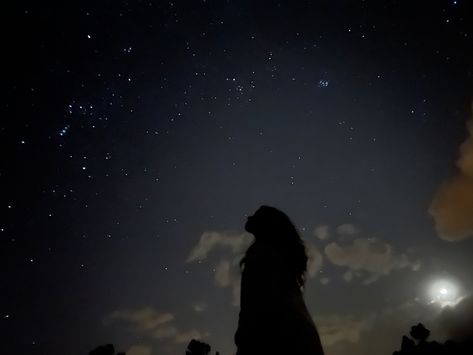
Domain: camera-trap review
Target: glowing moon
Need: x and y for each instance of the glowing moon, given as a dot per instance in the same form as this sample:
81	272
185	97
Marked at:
443	292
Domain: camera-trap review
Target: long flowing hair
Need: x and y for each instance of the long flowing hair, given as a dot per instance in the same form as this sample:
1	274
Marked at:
275	230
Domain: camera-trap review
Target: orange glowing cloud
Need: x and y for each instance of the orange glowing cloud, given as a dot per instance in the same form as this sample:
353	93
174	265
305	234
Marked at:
452	206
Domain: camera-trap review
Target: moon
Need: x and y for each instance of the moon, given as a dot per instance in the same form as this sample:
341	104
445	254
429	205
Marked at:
443	292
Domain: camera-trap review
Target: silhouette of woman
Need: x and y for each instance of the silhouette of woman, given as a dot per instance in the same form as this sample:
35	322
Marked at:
273	316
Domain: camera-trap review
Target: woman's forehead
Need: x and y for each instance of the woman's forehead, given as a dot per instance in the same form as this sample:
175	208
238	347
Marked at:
264	209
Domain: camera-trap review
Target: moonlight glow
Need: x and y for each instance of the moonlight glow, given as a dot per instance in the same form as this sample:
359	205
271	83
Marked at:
443	292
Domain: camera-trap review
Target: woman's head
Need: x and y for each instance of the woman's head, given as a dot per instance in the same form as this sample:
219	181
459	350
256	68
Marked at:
271	225
274	228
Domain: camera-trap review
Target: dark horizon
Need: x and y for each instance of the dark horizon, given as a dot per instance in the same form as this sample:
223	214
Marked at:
138	136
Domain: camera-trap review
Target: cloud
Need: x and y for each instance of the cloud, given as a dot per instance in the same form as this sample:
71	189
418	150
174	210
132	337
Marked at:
315	260
381	332
346	229
227	271
164	332
321	232
324	280
143	319
452	205
186	337
227	274
199	307
456	322
373	332
223	274
367	257
149	322
336	328
236	242
348	276
236	294
370	333
139	350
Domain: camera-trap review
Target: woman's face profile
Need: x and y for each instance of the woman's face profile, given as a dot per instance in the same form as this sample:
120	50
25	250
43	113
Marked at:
254	222
250	224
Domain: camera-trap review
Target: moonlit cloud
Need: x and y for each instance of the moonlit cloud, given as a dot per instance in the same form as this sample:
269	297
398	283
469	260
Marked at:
227	271
199	307
315	260
369	258
186	337
452	205
346	229
151	323
456	322
321	232
235	242
337	328
381	332
324	280
223	273
164	332
348	276
139	350
227	274
143	319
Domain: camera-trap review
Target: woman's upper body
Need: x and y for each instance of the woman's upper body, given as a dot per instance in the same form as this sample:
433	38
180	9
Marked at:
273	315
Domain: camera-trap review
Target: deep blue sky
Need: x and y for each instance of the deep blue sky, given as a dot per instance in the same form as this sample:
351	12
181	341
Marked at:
131	130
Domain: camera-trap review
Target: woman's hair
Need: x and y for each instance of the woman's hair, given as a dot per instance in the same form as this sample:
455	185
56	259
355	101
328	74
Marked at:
274	229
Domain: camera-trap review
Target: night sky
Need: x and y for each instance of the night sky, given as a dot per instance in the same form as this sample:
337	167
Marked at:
137	136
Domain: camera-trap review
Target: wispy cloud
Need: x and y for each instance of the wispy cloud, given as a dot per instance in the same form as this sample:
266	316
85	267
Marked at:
368	258
233	241
199	306
347	229
233	245
139	350
149	322
315	260
143	319
337	328
381	331
321	232
227	270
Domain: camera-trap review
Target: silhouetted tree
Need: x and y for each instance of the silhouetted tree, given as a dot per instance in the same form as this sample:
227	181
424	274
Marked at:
424	347
419	332
196	347
407	344
108	349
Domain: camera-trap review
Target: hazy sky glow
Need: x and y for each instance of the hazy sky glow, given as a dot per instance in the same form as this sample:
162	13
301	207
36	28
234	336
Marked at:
138	135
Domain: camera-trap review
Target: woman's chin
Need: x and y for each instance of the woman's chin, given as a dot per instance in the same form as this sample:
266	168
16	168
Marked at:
248	224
